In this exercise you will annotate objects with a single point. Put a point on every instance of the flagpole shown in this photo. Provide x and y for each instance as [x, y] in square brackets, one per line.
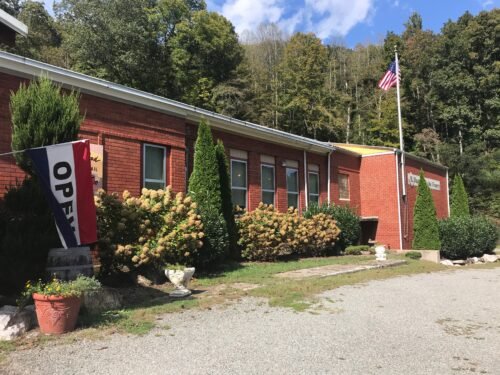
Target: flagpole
[401, 141]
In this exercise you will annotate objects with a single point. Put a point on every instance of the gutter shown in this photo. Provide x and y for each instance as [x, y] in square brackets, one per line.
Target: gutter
[27, 68]
[13, 23]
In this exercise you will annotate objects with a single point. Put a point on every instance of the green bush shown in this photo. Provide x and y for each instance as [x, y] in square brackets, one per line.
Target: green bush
[356, 250]
[227, 201]
[347, 221]
[425, 225]
[28, 233]
[42, 115]
[266, 234]
[205, 188]
[413, 255]
[459, 200]
[463, 237]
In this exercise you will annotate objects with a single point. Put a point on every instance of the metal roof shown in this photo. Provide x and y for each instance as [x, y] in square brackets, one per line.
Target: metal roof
[24, 67]
[13, 23]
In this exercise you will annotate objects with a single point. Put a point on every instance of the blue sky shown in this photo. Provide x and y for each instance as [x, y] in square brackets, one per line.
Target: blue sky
[350, 21]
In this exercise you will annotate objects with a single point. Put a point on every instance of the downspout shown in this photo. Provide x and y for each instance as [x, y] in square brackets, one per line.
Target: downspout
[329, 177]
[305, 179]
[447, 193]
[399, 203]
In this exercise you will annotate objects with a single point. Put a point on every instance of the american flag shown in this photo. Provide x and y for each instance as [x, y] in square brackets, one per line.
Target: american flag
[389, 79]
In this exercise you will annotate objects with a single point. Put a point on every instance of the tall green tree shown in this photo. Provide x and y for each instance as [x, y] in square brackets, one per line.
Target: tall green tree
[459, 198]
[42, 115]
[227, 202]
[205, 188]
[425, 224]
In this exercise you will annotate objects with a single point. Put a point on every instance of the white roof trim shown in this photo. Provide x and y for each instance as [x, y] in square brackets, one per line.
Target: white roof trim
[13, 23]
[24, 67]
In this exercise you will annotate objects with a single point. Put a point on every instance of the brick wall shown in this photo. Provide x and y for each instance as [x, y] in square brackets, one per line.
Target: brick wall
[120, 128]
[254, 149]
[349, 165]
[439, 196]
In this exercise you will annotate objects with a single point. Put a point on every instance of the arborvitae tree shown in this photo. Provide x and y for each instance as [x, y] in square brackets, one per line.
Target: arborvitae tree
[227, 201]
[459, 198]
[205, 188]
[425, 224]
[42, 115]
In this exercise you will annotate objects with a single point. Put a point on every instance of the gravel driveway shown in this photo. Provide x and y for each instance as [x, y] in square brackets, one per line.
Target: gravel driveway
[441, 323]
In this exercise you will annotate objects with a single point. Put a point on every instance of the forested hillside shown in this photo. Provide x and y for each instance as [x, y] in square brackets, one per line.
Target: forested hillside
[179, 49]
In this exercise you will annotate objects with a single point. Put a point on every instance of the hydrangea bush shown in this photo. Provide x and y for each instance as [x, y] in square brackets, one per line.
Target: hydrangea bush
[266, 234]
[156, 228]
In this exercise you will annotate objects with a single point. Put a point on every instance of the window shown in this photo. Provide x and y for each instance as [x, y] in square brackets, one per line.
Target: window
[313, 186]
[154, 162]
[239, 182]
[267, 183]
[292, 187]
[343, 181]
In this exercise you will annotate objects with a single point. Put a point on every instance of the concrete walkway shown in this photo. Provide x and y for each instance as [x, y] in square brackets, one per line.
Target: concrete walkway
[338, 269]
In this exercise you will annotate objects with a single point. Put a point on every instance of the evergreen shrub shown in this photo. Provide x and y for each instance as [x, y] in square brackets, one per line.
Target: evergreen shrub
[459, 201]
[413, 255]
[227, 201]
[463, 237]
[27, 234]
[425, 224]
[356, 250]
[42, 115]
[205, 189]
[347, 221]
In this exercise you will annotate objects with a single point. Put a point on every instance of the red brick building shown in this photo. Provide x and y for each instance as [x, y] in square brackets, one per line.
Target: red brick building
[147, 141]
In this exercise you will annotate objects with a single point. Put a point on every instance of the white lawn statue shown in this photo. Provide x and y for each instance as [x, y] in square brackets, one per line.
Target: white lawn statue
[380, 253]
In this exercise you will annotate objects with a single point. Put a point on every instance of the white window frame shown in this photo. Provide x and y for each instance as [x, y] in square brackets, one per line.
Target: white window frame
[144, 179]
[262, 165]
[298, 186]
[348, 187]
[246, 179]
[309, 190]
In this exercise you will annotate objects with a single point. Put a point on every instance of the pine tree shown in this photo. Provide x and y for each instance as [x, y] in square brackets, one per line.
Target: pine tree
[41, 116]
[425, 224]
[459, 198]
[205, 189]
[227, 204]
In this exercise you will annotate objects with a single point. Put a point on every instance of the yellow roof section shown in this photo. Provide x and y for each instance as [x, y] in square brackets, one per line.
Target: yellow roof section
[362, 149]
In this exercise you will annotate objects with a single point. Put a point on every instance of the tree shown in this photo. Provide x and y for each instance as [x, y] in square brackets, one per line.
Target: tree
[425, 224]
[42, 115]
[205, 188]
[227, 202]
[459, 199]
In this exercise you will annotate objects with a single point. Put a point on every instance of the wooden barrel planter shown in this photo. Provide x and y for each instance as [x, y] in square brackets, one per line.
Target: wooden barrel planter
[67, 264]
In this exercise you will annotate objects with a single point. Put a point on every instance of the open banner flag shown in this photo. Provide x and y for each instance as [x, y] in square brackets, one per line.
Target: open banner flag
[65, 176]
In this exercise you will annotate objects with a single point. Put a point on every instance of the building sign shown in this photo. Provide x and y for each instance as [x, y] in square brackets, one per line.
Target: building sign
[413, 180]
[97, 165]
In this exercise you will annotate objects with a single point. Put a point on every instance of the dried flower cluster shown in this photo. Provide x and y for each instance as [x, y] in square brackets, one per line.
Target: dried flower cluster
[155, 228]
[266, 234]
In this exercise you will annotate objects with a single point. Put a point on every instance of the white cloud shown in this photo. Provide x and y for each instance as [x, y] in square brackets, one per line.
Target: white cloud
[248, 14]
[337, 17]
[326, 18]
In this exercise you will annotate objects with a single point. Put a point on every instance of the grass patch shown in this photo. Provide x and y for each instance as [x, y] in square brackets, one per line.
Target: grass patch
[5, 348]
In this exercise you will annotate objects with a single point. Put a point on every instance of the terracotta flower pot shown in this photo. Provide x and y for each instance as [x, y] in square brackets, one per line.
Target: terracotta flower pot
[56, 314]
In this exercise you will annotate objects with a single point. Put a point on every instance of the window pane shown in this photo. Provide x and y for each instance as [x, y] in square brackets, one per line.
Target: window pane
[293, 200]
[267, 197]
[238, 174]
[154, 163]
[154, 185]
[239, 197]
[343, 181]
[313, 183]
[292, 180]
[313, 198]
[267, 178]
